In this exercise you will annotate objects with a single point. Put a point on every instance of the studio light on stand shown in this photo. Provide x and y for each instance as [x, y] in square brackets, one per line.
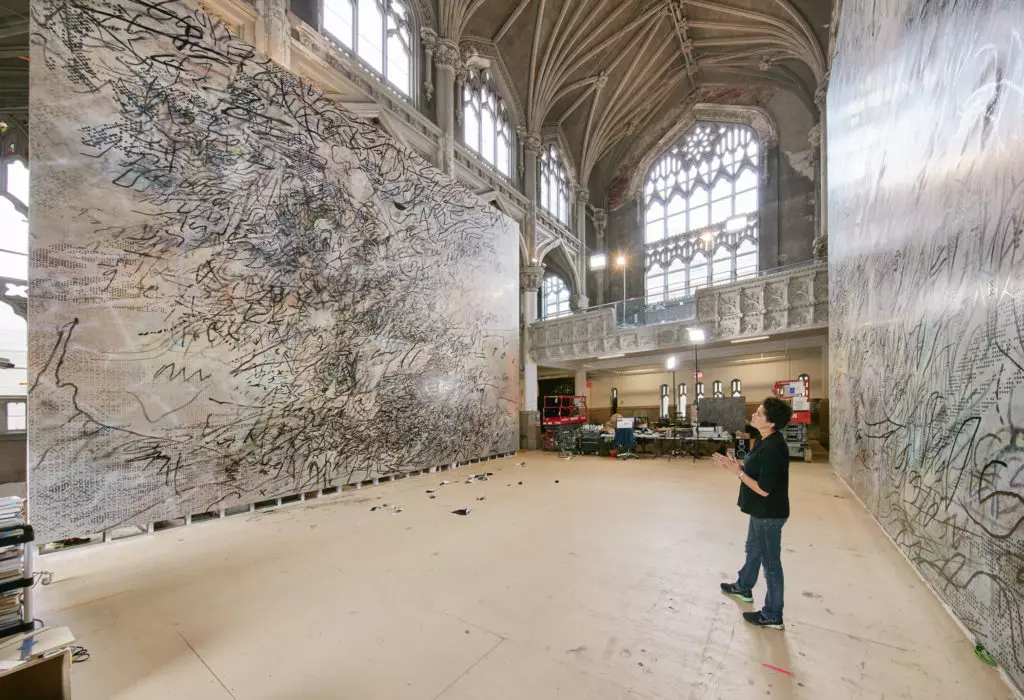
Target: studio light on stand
[621, 262]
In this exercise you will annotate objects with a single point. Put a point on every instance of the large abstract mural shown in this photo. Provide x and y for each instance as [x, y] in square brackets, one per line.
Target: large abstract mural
[238, 290]
[926, 245]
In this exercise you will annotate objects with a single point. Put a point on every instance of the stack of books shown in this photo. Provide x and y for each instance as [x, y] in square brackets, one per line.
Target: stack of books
[12, 562]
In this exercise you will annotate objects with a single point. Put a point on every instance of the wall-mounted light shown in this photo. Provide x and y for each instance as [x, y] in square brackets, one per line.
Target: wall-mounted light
[737, 388]
[749, 340]
[716, 389]
[670, 363]
[598, 261]
[621, 260]
[697, 335]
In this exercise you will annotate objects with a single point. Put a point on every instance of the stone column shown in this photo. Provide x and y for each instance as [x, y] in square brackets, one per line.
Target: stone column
[531, 144]
[273, 33]
[429, 40]
[580, 227]
[814, 139]
[820, 134]
[600, 224]
[581, 382]
[447, 59]
[825, 379]
[529, 417]
[824, 415]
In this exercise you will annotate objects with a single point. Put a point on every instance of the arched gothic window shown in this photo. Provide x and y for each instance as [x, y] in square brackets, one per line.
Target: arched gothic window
[485, 127]
[14, 202]
[701, 200]
[13, 218]
[722, 266]
[554, 298]
[675, 286]
[377, 31]
[666, 284]
[746, 259]
[554, 184]
[698, 272]
[655, 284]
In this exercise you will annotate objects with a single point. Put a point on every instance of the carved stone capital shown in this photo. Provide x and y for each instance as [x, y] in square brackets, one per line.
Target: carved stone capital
[821, 93]
[447, 54]
[814, 135]
[530, 277]
[582, 194]
[531, 140]
[430, 39]
[578, 303]
[821, 248]
[600, 219]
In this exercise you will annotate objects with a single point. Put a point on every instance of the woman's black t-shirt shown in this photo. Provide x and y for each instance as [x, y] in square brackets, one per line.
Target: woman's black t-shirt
[768, 463]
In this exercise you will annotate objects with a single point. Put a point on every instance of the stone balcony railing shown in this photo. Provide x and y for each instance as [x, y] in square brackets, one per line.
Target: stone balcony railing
[780, 301]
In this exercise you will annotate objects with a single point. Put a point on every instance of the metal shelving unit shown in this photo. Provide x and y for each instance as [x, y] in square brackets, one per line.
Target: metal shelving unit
[16, 568]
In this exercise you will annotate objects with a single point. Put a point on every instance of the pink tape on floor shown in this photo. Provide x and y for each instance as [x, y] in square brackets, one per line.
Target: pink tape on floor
[776, 668]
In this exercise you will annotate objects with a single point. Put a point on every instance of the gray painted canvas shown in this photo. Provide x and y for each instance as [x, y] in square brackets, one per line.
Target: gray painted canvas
[926, 211]
[238, 290]
[730, 413]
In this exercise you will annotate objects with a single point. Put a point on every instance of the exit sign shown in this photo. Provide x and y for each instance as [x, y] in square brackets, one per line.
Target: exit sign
[699, 376]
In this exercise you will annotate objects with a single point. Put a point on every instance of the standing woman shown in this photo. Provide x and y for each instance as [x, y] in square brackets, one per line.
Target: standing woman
[764, 496]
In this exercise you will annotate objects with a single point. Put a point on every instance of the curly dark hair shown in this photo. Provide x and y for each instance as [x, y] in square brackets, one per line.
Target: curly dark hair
[777, 411]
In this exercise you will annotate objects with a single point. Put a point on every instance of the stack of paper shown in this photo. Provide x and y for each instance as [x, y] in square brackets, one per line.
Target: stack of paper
[12, 512]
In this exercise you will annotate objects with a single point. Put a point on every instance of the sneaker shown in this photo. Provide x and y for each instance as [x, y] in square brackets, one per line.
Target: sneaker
[759, 620]
[734, 591]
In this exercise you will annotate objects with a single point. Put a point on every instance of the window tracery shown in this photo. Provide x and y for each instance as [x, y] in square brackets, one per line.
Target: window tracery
[379, 32]
[485, 125]
[701, 203]
[554, 183]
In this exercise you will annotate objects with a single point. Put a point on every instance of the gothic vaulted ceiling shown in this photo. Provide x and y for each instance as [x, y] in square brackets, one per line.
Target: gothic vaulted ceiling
[608, 72]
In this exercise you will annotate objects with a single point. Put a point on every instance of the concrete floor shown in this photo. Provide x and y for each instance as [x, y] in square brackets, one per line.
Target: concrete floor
[603, 586]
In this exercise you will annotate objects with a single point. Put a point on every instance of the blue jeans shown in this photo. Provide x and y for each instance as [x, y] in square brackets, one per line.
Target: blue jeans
[764, 548]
